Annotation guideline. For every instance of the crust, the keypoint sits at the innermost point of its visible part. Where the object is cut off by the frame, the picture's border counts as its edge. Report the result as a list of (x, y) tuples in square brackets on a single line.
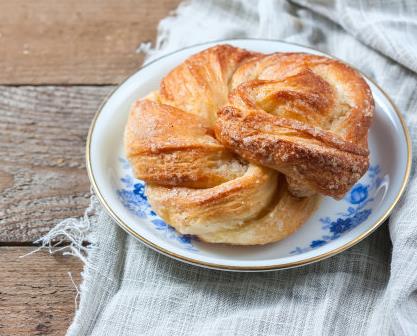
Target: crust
[(318, 162), (170, 147), (306, 116)]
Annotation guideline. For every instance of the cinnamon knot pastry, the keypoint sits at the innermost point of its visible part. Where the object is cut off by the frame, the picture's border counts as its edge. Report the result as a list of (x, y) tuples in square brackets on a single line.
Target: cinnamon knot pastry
[(236, 146)]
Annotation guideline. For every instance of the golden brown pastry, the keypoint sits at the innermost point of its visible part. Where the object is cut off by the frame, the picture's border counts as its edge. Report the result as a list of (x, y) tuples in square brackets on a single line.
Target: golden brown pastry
[(225, 213), (213, 142), (200, 85), (169, 147), (199, 187), (306, 116)]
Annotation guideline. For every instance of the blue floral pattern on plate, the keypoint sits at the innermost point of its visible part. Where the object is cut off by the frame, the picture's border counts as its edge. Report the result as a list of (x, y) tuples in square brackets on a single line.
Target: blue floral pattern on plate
[(133, 197), (356, 213)]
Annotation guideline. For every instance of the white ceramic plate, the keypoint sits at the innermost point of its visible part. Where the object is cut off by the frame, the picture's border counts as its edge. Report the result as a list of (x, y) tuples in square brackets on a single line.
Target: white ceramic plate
[(336, 226)]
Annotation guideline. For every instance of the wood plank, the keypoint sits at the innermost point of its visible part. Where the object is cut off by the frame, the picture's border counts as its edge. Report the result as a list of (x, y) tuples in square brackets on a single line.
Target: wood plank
[(75, 41), (42, 145), (36, 292)]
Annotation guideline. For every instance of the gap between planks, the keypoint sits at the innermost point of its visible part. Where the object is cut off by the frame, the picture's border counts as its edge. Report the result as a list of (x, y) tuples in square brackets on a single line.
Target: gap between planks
[(42, 156), (37, 296)]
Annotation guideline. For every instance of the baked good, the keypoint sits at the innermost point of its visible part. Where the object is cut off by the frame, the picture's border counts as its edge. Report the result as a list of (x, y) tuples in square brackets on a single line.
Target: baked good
[(199, 187), (306, 116), (232, 145)]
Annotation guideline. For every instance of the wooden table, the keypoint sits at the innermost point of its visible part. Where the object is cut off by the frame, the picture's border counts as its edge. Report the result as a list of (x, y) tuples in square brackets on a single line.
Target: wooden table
[(58, 60)]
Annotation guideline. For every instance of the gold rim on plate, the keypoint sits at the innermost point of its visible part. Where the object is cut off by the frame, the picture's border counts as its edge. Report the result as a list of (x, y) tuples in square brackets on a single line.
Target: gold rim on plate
[(197, 262)]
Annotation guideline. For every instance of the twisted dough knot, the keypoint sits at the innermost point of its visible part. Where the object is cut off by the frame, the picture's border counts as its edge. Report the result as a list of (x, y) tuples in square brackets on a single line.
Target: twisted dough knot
[(211, 142), (306, 116)]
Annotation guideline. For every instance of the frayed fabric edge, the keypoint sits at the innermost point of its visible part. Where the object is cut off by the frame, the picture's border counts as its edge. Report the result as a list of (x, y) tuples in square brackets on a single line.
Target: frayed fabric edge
[(70, 235)]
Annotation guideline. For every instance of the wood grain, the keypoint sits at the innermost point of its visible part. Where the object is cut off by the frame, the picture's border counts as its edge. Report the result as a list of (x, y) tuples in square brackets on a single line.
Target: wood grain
[(36, 292), (42, 137), (42, 145), (75, 41)]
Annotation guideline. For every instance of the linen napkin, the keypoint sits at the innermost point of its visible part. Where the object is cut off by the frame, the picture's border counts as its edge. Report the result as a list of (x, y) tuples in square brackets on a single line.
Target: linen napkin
[(371, 289)]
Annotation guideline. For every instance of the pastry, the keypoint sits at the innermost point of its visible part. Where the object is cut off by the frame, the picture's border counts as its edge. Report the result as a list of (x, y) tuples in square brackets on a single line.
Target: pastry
[(236, 147), (201, 188), (306, 116)]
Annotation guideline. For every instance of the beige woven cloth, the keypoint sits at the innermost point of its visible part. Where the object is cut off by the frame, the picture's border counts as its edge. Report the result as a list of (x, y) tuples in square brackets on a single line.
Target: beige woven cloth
[(370, 289)]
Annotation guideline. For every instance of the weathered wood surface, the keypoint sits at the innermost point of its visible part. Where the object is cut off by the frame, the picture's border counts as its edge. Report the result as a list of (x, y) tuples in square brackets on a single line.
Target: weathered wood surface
[(36, 292), (42, 137), (75, 41), (42, 163)]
